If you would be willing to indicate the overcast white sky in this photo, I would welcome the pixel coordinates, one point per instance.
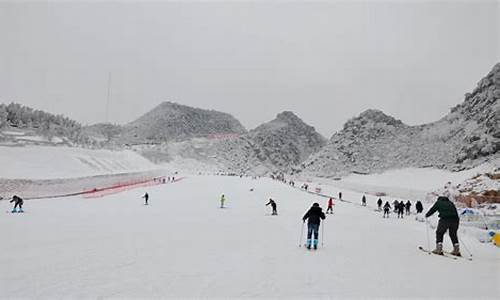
(326, 61)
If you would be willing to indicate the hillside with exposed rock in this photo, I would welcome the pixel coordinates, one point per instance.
(374, 142)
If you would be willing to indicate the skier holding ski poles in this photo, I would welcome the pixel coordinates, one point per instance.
(273, 205)
(313, 216)
(17, 202)
(387, 208)
(448, 220)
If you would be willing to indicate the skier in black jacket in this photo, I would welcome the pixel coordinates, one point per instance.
(363, 201)
(401, 209)
(408, 207)
(314, 216)
(17, 202)
(273, 205)
(146, 199)
(419, 207)
(387, 209)
(379, 203)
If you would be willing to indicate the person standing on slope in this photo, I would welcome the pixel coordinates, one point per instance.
(408, 207)
(340, 195)
(401, 209)
(330, 206)
(387, 209)
(222, 201)
(313, 216)
(146, 198)
(363, 200)
(448, 220)
(396, 205)
(419, 207)
(379, 203)
(273, 205)
(18, 202)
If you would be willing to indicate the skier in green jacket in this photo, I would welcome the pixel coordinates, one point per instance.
(222, 200)
(448, 220)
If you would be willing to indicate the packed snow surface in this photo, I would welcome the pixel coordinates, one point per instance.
(46, 162)
(184, 245)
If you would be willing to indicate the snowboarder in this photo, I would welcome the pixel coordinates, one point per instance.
(408, 207)
(401, 209)
(273, 205)
(387, 209)
(313, 216)
(17, 202)
(146, 198)
(379, 203)
(363, 201)
(419, 207)
(330, 206)
(222, 200)
(448, 220)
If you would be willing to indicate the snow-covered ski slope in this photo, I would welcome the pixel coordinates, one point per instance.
(48, 162)
(184, 245)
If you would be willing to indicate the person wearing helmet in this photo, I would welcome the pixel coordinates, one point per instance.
(313, 216)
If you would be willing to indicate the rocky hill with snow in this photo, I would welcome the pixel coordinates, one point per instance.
(274, 146)
(169, 122)
(373, 141)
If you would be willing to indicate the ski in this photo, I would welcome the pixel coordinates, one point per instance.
(443, 255)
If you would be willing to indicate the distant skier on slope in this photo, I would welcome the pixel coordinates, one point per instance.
(340, 195)
(379, 203)
(387, 209)
(363, 201)
(146, 198)
(401, 209)
(330, 206)
(419, 207)
(448, 220)
(313, 216)
(273, 205)
(222, 200)
(396, 205)
(18, 202)
(408, 207)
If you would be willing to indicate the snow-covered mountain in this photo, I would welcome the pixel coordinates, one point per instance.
(374, 141)
(174, 122)
(274, 146)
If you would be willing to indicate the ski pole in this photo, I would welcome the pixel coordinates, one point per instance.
(427, 233)
(465, 246)
(301, 234)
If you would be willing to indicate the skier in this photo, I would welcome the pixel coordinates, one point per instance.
(17, 202)
(379, 203)
(419, 207)
(408, 207)
(314, 216)
(222, 200)
(330, 206)
(401, 209)
(448, 220)
(146, 198)
(340, 195)
(396, 205)
(273, 205)
(363, 201)
(387, 209)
